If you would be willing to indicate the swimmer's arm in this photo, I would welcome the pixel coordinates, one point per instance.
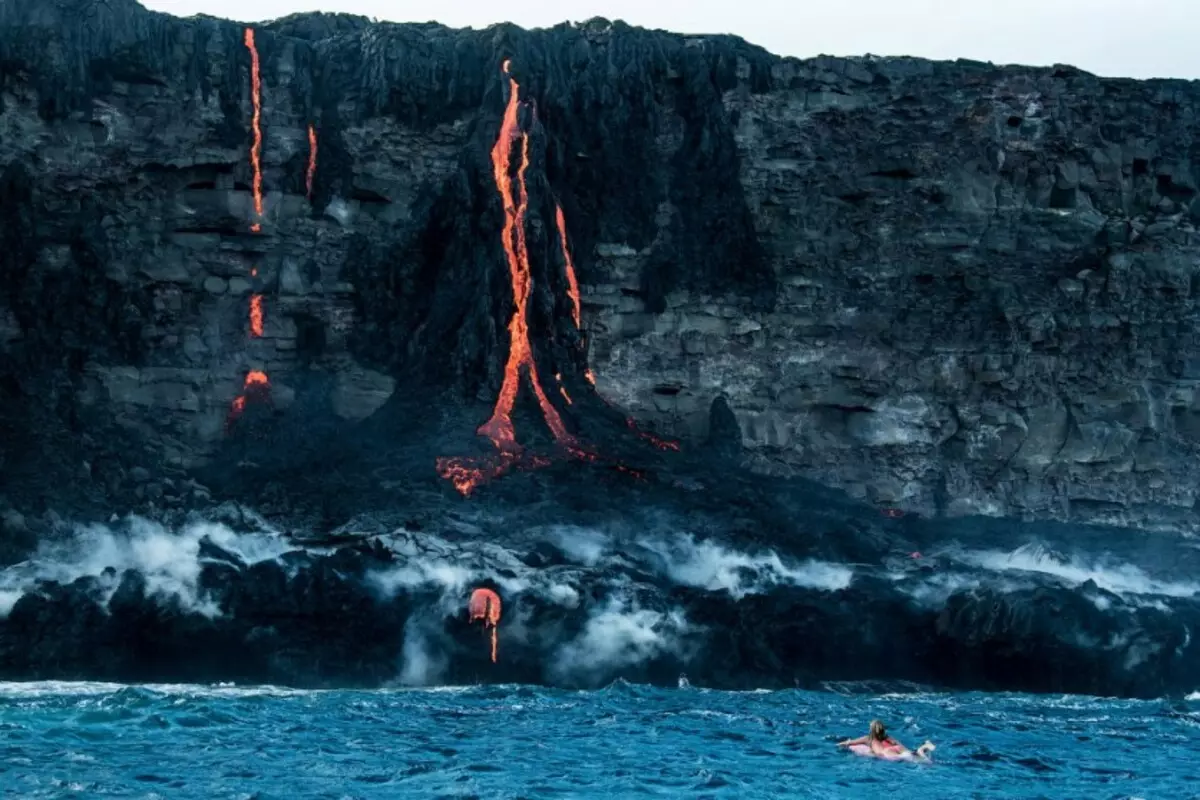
(849, 742)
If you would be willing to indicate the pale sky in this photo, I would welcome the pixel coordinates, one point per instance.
(1131, 38)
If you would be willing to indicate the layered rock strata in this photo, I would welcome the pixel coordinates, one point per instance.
(950, 288)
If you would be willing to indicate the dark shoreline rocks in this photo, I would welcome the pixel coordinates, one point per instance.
(378, 611)
(948, 289)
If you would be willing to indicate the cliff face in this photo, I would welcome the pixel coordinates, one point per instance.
(951, 288)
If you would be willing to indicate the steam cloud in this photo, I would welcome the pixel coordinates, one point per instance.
(1119, 579)
(620, 636)
(418, 665)
(708, 565)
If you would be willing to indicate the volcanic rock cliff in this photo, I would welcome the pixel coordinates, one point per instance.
(951, 288)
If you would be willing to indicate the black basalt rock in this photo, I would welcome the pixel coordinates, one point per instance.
(724, 432)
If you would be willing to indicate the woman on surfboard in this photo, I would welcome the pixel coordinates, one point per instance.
(877, 743)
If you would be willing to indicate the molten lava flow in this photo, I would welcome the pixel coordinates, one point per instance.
(256, 384)
(520, 355)
(256, 315)
(466, 473)
(572, 283)
(485, 607)
(312, 161)
(661, 444)
(256, 127)
(256, 379)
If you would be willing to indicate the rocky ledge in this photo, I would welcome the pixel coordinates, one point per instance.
(646, 597)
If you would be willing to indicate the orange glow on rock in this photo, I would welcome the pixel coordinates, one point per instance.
(255, 126)
(572, 283)
(256, 384)
(312, 161)
(485, 607)
(661, 444)
(468, 473)
(256, 315)
(520, 355)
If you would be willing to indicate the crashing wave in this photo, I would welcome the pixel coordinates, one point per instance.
(582, 607)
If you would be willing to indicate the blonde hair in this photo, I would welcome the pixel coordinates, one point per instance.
(878, 732)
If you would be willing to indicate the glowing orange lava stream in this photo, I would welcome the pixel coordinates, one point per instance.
(312, 161)
(256, 316)
(256, 127)
(520, 355)
(256, 382)
(572, 283)
(466, 474)
(485, 607)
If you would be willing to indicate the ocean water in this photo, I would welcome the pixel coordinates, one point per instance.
(65, 740)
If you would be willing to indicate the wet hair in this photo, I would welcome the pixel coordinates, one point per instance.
(878, 732)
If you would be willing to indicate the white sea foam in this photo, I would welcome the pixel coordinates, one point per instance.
(36, 689)
(1121, 579)
(169, 559)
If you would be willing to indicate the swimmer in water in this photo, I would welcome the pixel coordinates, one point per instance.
(884, 746)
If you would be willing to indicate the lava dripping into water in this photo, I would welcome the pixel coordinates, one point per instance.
(484, 607)
(312, 161)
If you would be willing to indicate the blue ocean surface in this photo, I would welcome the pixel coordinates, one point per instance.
(100, 740)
